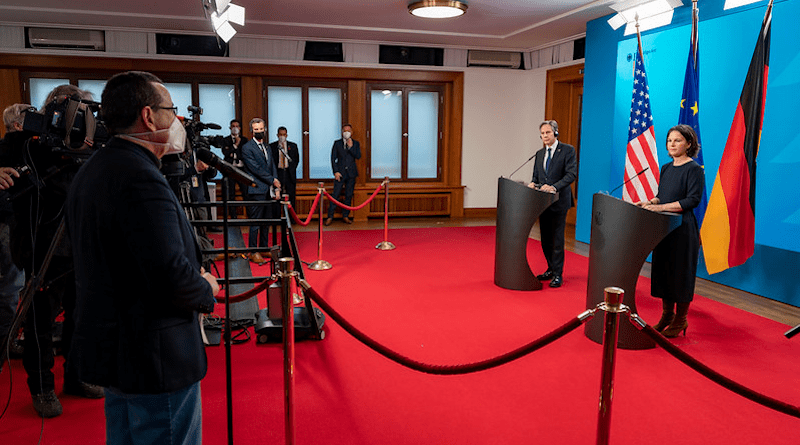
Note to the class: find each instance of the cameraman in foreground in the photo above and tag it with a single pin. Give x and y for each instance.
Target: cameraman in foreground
(138, 274)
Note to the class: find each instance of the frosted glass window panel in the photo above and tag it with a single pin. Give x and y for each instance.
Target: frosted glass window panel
(93, 86)
(181, 94)
(324, 126)
(285, 109)
(219, 107)
(40, 88)
(386, 133)
(423, 134)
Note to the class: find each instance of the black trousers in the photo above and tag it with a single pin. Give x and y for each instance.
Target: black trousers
(258, 236)
(289, 187)
(38, 357)
(349, 185)
(551, 227)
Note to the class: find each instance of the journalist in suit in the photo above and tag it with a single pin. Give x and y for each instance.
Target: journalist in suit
(287, 175)
(561, 171)
(261, 164)
(139, 282)
(344, 153)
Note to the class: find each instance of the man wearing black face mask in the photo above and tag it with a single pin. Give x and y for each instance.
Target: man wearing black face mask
(261, 163)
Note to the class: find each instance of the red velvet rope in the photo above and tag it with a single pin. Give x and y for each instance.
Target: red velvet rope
(718, 378)
(250, 293)
(310, 212)
(374, 194)
(442, 369)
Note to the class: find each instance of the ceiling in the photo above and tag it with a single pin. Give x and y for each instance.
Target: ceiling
(488, 24)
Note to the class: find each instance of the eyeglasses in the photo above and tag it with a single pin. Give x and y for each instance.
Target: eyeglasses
(173, 109)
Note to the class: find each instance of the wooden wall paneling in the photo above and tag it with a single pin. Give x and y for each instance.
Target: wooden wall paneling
(10, 91)
(564, 89)
(252, 102)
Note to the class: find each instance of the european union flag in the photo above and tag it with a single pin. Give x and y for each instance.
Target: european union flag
(690, 107)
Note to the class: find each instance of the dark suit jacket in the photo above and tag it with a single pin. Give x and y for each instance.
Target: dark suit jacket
(229, 153)
(561, 172)
(137, 274)
(262, 168)
(294, 153)
(343, 160)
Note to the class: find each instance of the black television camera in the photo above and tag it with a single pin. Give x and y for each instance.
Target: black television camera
(68, 126)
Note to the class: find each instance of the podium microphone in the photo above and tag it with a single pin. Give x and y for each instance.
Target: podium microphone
(523, 165)
(224, 167)
(629, 180)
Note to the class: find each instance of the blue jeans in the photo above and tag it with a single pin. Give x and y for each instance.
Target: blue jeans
(169, 418)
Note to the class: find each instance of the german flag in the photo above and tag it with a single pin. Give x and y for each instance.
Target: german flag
(728, 231)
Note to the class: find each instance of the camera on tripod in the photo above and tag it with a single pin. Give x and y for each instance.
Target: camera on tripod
(68, 125)
(194, 127)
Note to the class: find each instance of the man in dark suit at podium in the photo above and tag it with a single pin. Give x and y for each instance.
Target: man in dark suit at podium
(554, 169)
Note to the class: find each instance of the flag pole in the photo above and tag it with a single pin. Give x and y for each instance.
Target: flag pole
(695, 20)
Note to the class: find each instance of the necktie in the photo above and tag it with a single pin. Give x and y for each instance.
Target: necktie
(282, 162)
(547, 159)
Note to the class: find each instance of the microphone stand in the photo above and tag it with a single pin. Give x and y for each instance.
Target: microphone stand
(523, 165)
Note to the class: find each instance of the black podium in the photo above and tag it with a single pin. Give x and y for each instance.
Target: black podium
(622, 237)
(518, 207)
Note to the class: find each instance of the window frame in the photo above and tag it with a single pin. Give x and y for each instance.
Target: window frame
(406, 88)
(304, 85)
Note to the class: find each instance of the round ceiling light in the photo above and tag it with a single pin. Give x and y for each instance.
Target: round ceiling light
(437, 9)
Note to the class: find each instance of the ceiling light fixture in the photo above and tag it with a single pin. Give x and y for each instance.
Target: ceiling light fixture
(223, 13)
(437, 9)
(648, 13)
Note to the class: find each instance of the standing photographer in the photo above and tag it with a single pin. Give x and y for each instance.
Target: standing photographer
(137, 332)
(38, 211)
(11, 278)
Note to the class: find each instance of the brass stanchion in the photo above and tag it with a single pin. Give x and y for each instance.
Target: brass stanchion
(385, 244)
(613, 307)
(286, 275)
(320, 264)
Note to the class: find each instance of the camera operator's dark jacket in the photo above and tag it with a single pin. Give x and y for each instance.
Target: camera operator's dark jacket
(38, 203)
(137, 269)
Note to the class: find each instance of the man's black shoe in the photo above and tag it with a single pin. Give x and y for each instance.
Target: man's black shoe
(47, 404)
(86, 390)
(545, 276)
(557, 281)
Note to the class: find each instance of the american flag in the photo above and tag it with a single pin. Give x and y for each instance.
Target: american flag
(641, 152)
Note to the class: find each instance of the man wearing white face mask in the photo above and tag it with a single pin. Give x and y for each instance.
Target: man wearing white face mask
(286, 157)
(344, 153)
(138, 274)
(232, 152)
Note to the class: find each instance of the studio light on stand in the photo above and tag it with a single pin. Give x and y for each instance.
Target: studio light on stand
(649, 13)
(222, 13)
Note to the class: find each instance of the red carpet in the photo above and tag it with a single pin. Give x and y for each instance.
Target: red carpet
(433, 299)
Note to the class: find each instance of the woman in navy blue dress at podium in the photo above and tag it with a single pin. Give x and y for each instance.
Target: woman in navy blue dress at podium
(680, 190)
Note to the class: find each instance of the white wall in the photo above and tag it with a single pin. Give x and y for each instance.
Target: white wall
(502, 112)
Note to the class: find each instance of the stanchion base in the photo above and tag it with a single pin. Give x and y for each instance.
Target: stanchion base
(320, 265)
(385, 245)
